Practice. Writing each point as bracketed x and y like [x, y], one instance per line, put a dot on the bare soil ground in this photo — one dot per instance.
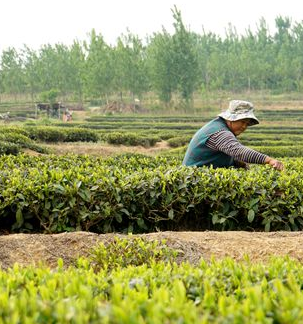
[27, 249]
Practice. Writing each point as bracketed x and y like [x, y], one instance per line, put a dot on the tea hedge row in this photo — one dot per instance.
[290, 147]
[47, 134]
[139, 194]
[130, 138]
[273, 151]
[216, 292]
[13, 142]
[146, 119]
[276, 130]
[280, 151]
[262, 114]
[55, 134]
[7, 148]
[181, 138]
[137, 126]
[149, 134]
[27, 135]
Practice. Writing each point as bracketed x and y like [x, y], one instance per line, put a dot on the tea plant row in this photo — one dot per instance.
[159, 292]
[133, 193]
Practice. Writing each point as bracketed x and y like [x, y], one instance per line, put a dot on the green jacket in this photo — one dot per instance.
[198, 154]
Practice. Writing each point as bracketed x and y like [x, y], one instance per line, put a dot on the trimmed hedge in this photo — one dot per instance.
[81, 135]
[280, 151]
[9, 148]
[16, 141]
[139, 194]
[131, 139]
[57, 134]
[179, 141]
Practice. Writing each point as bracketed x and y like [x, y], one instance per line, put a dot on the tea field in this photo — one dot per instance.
[138, 281]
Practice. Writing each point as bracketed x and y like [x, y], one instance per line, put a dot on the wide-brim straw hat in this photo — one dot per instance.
[240, 109]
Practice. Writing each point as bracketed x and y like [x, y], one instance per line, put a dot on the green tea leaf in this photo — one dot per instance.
[251, 215]
[171, 214]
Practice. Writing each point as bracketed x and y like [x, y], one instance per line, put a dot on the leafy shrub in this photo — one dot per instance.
[218, 291]
[139, 194]
[56, 134]
[179, 141]
[15, 138]
[131, 251]
[281, 151]
[47, 134]
[131, 139]
[9, 148]
[20, 141]
[81, 135]
[14, 130]
[177, 152]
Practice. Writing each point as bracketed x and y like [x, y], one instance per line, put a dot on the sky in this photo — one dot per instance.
[39, 22]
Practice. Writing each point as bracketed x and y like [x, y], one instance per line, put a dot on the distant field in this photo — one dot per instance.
[206, 104]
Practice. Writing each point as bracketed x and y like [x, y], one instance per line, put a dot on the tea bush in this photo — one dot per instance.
[133, 251]
[9, 148]
[143, 194]
[223, 291]
[131, 139]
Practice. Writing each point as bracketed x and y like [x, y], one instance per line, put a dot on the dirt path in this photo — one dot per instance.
[103, 149]
[28, 249]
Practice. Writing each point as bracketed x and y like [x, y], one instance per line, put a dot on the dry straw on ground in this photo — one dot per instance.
[27, 249]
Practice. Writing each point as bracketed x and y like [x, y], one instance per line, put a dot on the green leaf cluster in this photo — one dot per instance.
[131, 139]
[58, 134]
[131, 251]
[223, 291]
[135, 193]
[13, 141]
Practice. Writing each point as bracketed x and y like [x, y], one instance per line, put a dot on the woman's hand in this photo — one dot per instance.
[276, 164]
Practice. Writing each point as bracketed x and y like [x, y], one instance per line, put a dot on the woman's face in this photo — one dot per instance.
[238, 126]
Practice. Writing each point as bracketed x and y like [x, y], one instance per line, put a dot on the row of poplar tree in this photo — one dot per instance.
[164, 63]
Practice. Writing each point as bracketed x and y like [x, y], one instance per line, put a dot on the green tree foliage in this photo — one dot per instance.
[160, 59]
[185, 58]
[76, 71]
[298, 59]
[175, 64]
[49, 68]
[130, 62]
[31, 71]
[12, 74]
[49, 96]
[99, 67]
[286, 57]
